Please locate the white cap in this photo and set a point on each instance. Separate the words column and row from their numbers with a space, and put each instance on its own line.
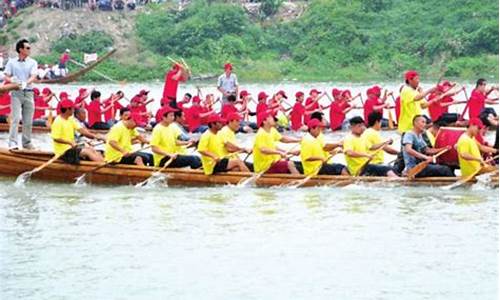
column 67, row 50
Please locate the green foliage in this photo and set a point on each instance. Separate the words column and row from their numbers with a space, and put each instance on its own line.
column 269, row 7
column 94, row 41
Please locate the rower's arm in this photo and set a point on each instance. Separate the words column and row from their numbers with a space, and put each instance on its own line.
column 377, row 146
column 63, row 141
column 142, row 139
column 390, row 150
column 424, row 94
column 491, row 101
column 315, row 158
column 289, row 140
column 85, row 132
column 209, row 154
column 355, row 154
column 487, row 149
column 432, row 151
column 409, row 149
column 157, row 150
column 178, row 75
column 116, row 146
column 331, row 146
column 269, row 151
column 230, row 147
column 468, row 156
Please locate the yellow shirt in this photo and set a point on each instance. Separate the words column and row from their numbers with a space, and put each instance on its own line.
column 123, row 136
column 468, row 145
column 63, row 129
column 264, row 139
column 212, row 143
column 227, row 135
column 356, row 144
column 431, row 137
column 163, row 138
column 179, row 149
column 372, row 137
column 409, row 108
column 311, row 147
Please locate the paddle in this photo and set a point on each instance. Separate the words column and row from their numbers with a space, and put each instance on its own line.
column 105, row 164
column 363, row 167
column 421, row 166
column 485, row 168
column 305, row 180
column 466, row 105
column 123, row 82
column 26, row 175
column 155, row 173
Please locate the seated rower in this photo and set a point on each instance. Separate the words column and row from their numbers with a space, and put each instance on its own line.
column 268, row 157
column 374, row 141
column 469, row 149
column 357, row 153
column 165, row 145
column 313, row 155
column 211, row 149
column 120, row 138
column 63, row 131
column 228, row 137
column 415, row 150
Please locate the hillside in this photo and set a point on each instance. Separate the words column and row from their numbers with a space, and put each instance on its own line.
column 322, row 40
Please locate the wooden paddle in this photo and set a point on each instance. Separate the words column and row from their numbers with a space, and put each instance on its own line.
column 421, row 166
column 38, row 169
column 466, row 105
column 305, row 180
column 363, row 167
column 123, row 82
column 159, row 171
column 485, row 168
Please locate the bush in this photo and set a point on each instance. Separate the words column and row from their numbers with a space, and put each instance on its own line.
column 94, row 41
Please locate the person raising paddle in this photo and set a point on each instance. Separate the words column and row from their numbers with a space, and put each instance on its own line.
column 63, row 131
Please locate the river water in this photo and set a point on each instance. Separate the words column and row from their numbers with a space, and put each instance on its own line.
column 61, row 241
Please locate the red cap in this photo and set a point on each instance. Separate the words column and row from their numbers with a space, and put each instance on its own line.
column 369, row 91
column 196, row 99
column 36, row 91
column 314, row 123
column 143, row 92
column 314, row 91
column 263, row 116
column 46, row 91
column 446, row 83
column 476, row 122
column 228, row 66
column 409, row 75
column 82, row 91
column 346, row 93
column 299, row 94
column 376, row 90
column 234, row 117
column 215, row 118
column 63, row 95
column 282, row 93
column 67, row 104
column 137, row 118
column 244, row 93
column 336, row 92
column 262, row 95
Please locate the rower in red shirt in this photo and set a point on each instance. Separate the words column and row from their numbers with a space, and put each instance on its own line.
column 112, row 105
column 312, row 105
column 479, row 99
column 80, row 99
column 95, row 112
column 195, row 116
column 4, row 106
column 172, row 78
column 440, row 100
column 261, row 105
column 185, row 100
column 229, row 108
column 41, row 105
column 374, row 103
column 62, row 96
column 339, row 108
column 297, row 114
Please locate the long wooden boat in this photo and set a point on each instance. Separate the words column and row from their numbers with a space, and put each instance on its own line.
column 75, row 75
column 15, row 163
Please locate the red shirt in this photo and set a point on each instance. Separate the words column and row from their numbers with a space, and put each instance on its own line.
column 39, row 112
column 5, row 100
column 297, row 116
column 315, row 106
column 435, row 109
column 337, row 115
column 261, row 107
column 228, row 109
column 64, row 58
column 171, row 85
column 193, row 118
column 111, row 113
column 94, row 112
column 80, row 102
column 369, row 107
column 476, row 103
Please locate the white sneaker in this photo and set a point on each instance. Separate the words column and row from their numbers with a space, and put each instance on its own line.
column 13, row 147
column 29, row 147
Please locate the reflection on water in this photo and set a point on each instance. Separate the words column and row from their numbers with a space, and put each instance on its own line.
column 58, row 241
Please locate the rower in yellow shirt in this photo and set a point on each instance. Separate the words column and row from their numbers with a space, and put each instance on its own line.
column 211, row 148
column 228, row 137
column 412, row 101
column 63, row 131
column 356, row 153
column 267, row 157
column 469, row 153
column 313, row 155
column 120, row 139
column 374, row 140
column 165, row 143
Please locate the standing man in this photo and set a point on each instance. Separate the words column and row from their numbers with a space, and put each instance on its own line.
column 412, row 101
column 22, row 69
column 172, row 78
column 62, row 62
column 227, row 83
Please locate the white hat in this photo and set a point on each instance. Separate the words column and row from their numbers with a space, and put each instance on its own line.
column 67, row 50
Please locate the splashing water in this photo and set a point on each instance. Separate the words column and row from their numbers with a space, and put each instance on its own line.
column 154, row 180
column 22, row 179
column 81, row 180
column 250, row 181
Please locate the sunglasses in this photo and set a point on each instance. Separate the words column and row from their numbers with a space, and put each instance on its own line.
column 27, row 48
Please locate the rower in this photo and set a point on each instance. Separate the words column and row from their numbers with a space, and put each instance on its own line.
column 120, row 139
column 297, row 114
column 438, row 110
column 469, row 154
column 211, row 148
column 312, row 105
column 262, row 105
column 165, row 145
column 195, row 115
column 63, row 131
column 374, row 141
column 268, row 157
column 176, row 74
column 415, row 150
column 95, row 112
column 228, row 137
column 412, row 101
column 230, row 108
column 339, row 108
column 313, row 155
column 374, row 104
column 478, row 100
column 357, row 153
